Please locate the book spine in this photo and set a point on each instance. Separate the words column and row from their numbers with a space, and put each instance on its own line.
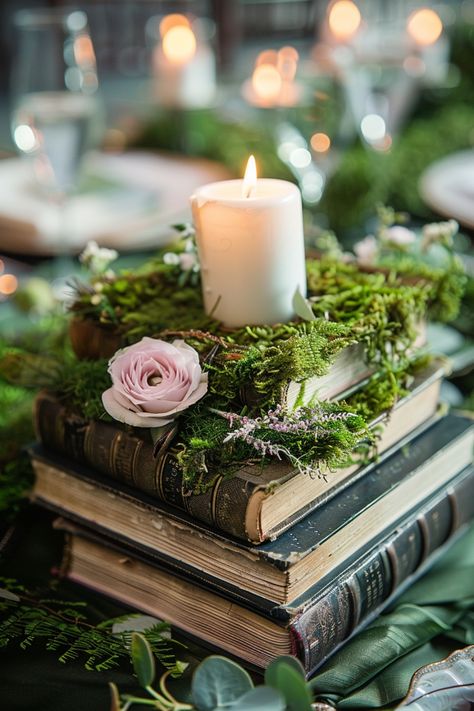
column 317, row 631
column 128, row 457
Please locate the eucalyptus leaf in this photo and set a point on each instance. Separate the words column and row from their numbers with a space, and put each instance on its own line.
column 286, row 674
column 302, row 307
column 217, row 683
column 272, row 669
column 263, row 698
column 8, row 595
column 114, row 697
column 143, row 660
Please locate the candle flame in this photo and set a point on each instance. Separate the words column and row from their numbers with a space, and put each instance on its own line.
column 266, row 82
column 179, row 44
column 425, row 26
column 249, row 182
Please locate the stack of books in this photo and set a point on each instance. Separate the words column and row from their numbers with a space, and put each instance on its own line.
column 269, row 561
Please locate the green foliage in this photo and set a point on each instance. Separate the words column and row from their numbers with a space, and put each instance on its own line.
column 250, row 367
column 286, row 674
column 81, row 383
column 314, row 439
column 218, row 684
column 62, row 627
column 143, row 660
column 206, row 135
column 16, row 479
column 385, row 387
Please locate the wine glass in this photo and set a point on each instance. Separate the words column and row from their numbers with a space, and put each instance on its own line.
column 55, row 110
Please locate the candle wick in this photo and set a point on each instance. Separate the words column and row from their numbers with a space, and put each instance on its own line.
column 247, row 189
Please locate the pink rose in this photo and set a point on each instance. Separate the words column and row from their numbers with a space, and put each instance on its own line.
column 153, row 381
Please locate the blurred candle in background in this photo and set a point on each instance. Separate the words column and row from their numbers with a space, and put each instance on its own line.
column 251, row 248
column 425, row 30
column 184, row 66
column 343, row 19
column 273, row 80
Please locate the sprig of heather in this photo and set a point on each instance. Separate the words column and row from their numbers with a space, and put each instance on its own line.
column 296, row 434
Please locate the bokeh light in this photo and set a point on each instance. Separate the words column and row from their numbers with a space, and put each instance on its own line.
column 425, row 26
column 25, row 138
column 179, row 44
column 266, row 82
column 320, row 142
column 173, row 20
column 8, row 284
column 344, row 19
column 300, row 157
column 373, row 128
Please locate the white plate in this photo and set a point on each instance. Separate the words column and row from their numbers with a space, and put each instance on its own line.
column 137, row 197
column 447, row 186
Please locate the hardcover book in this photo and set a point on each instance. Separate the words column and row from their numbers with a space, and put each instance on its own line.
column 256, row 503
column 278, row 571
column 314, row 625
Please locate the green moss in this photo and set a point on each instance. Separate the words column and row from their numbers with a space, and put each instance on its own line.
column 249, row 367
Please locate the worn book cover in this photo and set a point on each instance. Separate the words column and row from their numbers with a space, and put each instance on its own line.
column 315, row 625
column 277, row 571
column 255, row 503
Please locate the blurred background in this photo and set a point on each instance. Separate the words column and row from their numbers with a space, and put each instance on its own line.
column 111, row 113
column 351, row 100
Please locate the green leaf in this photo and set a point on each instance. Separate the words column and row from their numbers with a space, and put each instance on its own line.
column 136, row 623
column 8, row 595
column 143, row 660
column 287, row 675
column 271, row 670
column 114, row 697
column 263, row 698
column 218, row 682
column 302, row 307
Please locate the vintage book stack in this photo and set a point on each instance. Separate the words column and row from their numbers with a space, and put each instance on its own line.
column 293, row 547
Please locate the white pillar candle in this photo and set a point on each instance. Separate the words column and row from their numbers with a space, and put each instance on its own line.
column 251, row 248
column 184, row 69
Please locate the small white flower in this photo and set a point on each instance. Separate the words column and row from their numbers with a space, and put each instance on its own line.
column 366, row 250
column 98, row 286
column 187, row 261
column 171, row 258
column 189, row 245
column 442, row 232
column 96, row 299
column 96, row 258
column 398, row 235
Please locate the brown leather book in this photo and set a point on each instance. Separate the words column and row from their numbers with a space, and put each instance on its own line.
column 254, row 504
